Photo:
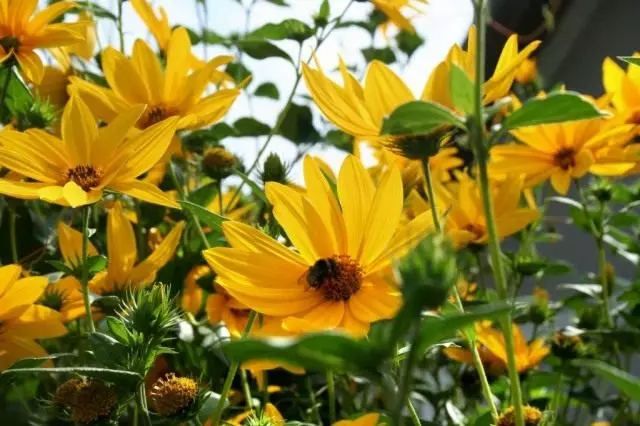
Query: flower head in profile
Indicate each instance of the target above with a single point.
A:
(21, 32)
(465, 220)
(75, 170)
(394, 10)
(563, 152)
(623, 88)
(493, 352)
(169, 92)
(334, 279)
(22, 322)
(125, 270)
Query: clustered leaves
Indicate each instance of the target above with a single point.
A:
(152, 275)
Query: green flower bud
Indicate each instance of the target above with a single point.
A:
(417, 147)
(590, 318)
(218, 163)
(149, 312)
(429, 271)
(39, 115)
(567, 346)
(274, 170)
(602, 191)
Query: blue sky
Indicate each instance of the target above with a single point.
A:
(443, 23)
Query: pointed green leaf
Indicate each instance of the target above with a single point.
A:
(628, 384)
(205, 216)
(419, 118)
(461, 89)
(267, 90)
(291, 29)
(554, 108)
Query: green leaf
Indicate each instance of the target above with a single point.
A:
(461, 89)
(628, 384)
(554, 108)
(289, 29)
(325, 10)
(340, 140)
(107, 350)
(118, 330)
(96, 10)
(260, 49)
(205, 216)
(633, 60)
(211, 37)
(419, 117)
(204, 195)
(60, 266)
(267, 90)
(385, 55)
(18, 98)
(409, 42)
(247, 126)
(297, 125)
(120, 377)
(96, 264)
(435, 329)
(277, 2)
(317, 352)
(238, 71)
(32, 362)
(255, 188)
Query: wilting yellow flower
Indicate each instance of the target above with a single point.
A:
(493, 352)
(562, 152)
(171, 394)
(527, 72)
(21, 33)
(393, 10)
(74, 171)
(370, 419)
(87, 399)
(334, 280)
(496, 87)
(173, 92)
(124, 268)
(21, 321)
(53, 86)
(465, 220)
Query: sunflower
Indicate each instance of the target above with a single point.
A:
(53, 86)
(169, 93)
(493, 350)
(465, 220)
(333, 280)
(124, 269)
(393, 9)
(562, 152)
(21, 320)
(21, 32)
(75, 170)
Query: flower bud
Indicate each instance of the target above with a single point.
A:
(149, 312)
(567, 346)
(418, 147)
(219, 163)
(274, 170)
(532, 417)
(173, 396)
(429, 271)
(88, 400)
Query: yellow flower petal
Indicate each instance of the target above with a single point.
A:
(121, 245)
(70, 242)
(145, 192)
(178, 53)
(31, 66)
(160, 257)
(78, 131)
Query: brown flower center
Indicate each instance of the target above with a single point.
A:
(10, 43)
(565, 158)
(155, 114)
(477, 230)
(85, 175)
(336, 277)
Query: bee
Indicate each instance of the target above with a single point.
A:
(321, 271)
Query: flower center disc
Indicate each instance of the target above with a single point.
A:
(565, 158)
(85, 175)
(337, 277)
(155, 114)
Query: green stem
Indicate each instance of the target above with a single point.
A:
(233, 369)
(182, 195)
(404, 386)
(481, 154)
(12, 235)
(120, 30)
(86, 212)
(314, 402)
(142, 404)
(415, 418)
(331, 390)
(486, 389)
(430, 193)
(5, 87)
(246, 389)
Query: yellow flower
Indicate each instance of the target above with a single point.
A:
(124, 268)
(465, 220)
(21, 33)
(21, 321)
(74, 171)
(158, 25)
(173, 92)
(171, 394)
(466, 290)
(334, 279)
(623, 87)
(527, 72)
(562, 152)
(496, 87)
(53, 86)
(393, 11)
(493, 351)
(532, 417)
(370, 419)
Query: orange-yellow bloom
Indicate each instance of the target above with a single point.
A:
(21, 32)
(344, 244)
(75, 170)
(22, 322)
